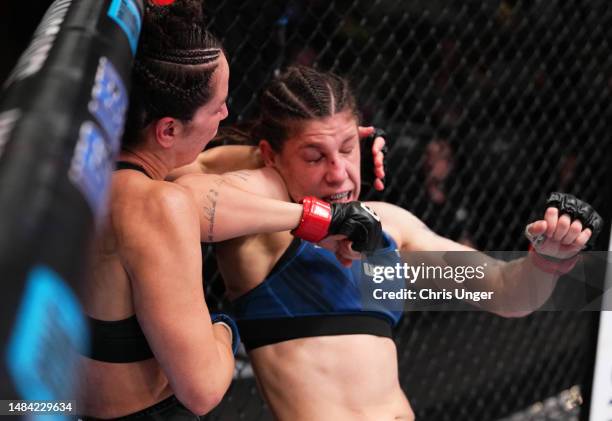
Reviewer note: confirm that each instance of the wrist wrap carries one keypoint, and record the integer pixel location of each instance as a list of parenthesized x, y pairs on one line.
[(315, 221)]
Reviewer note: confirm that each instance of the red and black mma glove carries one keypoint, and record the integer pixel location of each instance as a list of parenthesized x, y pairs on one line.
[(367, 157), (358, 222), (575, 208)]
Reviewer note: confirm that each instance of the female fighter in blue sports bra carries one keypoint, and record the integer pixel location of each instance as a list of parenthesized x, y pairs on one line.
[(318, 354), (156, 352)]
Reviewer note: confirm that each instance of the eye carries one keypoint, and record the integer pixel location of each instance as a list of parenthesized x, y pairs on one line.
[(315, 160), (313, 157), (347, 151)]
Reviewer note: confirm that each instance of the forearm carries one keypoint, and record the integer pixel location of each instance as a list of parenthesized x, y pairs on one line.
[(524, 287), (227, 211), (234, 213), (518, 287), (225, 361)]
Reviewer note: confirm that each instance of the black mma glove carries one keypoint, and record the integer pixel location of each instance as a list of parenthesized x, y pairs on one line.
[(359, 223), (367, 158), (577, 209)]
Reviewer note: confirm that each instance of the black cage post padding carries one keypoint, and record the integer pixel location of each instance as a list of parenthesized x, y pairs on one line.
[(61, 113)]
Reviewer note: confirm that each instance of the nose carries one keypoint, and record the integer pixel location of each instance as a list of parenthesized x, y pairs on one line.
[(224, 112), (336, 170)]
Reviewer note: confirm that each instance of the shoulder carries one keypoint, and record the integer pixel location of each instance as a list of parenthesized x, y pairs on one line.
[(156, 197), (399, 223), (410, 233), (271, 183), (226, 158), (393, 216), (152, 206)]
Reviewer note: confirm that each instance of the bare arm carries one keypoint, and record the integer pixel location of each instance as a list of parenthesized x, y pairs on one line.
[(519, 287), (160, 246), (241, 203), (220, 160)]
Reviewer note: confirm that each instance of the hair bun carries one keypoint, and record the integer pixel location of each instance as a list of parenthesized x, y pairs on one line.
[(183, 12), (180, 24)]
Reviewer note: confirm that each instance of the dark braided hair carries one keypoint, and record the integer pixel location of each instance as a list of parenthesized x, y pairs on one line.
[(173, 67), (295, 96)]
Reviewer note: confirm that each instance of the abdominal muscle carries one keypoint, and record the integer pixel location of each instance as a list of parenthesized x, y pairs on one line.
[(345, 377)]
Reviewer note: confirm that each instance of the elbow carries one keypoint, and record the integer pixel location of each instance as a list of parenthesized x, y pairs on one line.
[(202, 390), (201, 397), (201, 402)]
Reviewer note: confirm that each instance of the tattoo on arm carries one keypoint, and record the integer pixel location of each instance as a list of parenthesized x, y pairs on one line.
[(210, 211)]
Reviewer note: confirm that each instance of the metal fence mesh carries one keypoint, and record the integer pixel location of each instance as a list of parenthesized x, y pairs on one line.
[(488, 105)]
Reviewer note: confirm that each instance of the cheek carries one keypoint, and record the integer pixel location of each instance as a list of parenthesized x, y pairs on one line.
[(302, 179), (209, 129), (353, 168)]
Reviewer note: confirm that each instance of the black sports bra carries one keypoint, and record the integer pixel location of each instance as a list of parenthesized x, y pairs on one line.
[(123, 165), (119, 341)]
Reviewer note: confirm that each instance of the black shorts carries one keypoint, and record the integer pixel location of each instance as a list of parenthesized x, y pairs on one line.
[(169, 409)]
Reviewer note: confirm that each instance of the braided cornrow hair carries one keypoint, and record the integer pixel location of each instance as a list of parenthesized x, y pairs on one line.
[(173, 67), (298, 94)]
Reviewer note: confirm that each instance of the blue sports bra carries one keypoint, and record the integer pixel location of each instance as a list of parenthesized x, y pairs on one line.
[(308, 293)]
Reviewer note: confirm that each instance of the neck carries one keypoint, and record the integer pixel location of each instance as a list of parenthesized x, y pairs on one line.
[(156, 167)]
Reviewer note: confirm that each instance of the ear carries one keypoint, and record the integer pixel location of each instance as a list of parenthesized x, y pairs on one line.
[(267, 153), (167, 130)]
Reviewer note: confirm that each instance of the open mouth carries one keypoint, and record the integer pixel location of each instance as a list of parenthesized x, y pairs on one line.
[(338, 197)]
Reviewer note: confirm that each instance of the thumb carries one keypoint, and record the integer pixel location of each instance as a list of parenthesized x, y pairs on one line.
[(537, 228)]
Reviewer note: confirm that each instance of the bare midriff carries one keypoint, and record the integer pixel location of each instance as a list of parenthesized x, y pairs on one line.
[(344, 377), (113, 390)]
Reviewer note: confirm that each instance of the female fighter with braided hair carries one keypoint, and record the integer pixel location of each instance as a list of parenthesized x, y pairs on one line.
[(317, 351), (156, 352)]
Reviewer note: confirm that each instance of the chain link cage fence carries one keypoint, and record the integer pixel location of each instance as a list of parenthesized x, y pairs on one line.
[(489, 106)]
